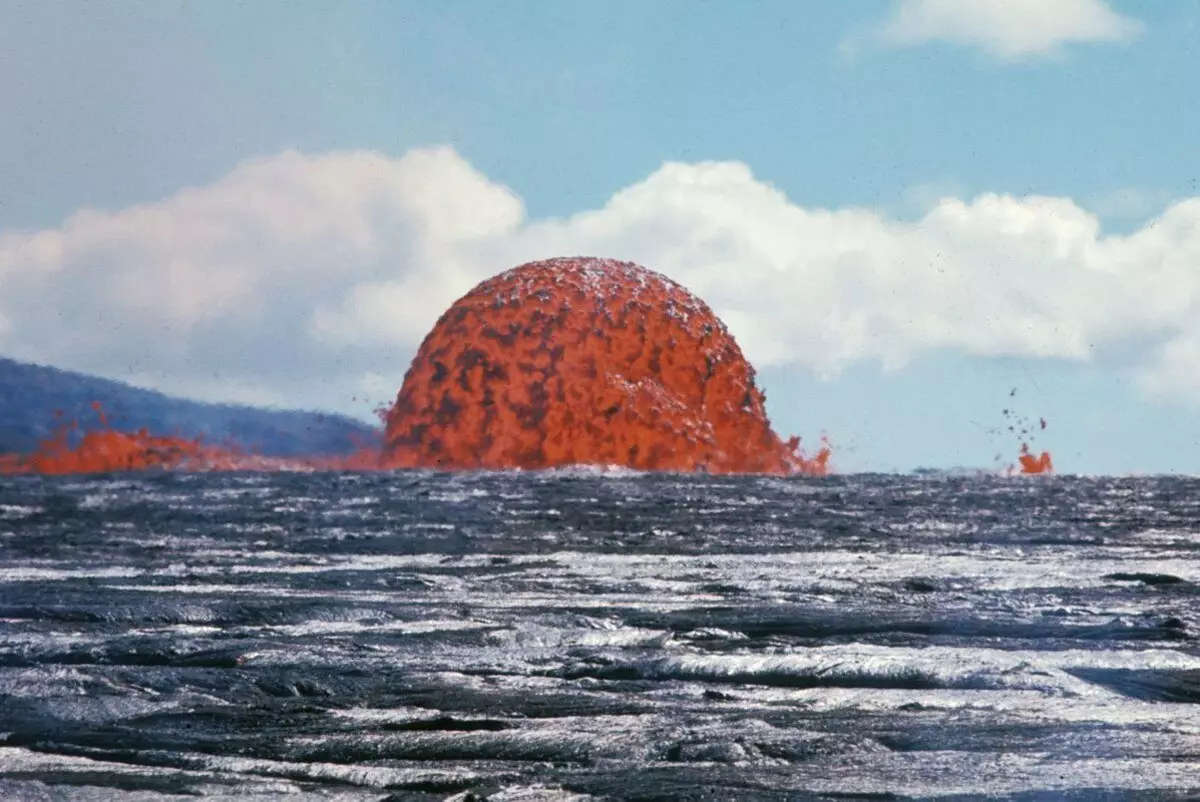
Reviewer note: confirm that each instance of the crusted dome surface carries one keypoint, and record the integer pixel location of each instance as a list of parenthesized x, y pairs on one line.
[(583, 361)]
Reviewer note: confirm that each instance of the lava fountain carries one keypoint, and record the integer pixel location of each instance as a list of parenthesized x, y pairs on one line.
[(585, 361), (563, 362)]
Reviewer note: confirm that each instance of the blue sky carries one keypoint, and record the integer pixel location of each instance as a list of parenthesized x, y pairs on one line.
[(544, 113)]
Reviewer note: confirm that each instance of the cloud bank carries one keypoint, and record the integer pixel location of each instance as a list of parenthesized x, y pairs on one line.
[(1008, 29), (306, 280)]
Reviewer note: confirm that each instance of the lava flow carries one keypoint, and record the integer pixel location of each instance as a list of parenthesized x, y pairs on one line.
[(585, 362), (556, 363), (103, 449)]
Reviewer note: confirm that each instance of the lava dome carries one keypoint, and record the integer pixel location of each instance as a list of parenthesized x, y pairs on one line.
[(584, 361)]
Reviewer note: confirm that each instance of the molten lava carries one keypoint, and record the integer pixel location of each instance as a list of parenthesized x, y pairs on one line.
[(103, 449), (1022, 427), (1031, 464), (555, 363), (585, 362)]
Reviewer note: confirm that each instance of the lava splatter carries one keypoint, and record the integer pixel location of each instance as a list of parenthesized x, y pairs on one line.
[(1024, 429), (1042, 463)]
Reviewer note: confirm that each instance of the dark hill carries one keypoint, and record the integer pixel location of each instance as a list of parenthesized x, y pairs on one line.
[(29, 395)]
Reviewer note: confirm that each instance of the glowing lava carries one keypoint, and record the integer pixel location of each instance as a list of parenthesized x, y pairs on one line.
[(103, 449), (1031, 464), (1024, 428), (563, 362), (585, 362)]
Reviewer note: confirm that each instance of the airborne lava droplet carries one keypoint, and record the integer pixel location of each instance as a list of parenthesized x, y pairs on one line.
[(585, 361)]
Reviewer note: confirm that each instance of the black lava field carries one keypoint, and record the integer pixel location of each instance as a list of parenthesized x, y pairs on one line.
[(598, 635)]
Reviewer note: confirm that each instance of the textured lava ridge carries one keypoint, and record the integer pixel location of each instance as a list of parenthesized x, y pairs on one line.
[(584, 361)]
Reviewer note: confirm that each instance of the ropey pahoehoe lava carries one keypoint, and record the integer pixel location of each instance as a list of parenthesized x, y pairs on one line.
[(584, 361)]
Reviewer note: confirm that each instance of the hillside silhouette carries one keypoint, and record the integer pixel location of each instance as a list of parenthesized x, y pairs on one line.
[(31, 394)]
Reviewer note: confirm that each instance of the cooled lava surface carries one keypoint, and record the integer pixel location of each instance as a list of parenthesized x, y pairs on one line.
[(585, 361)]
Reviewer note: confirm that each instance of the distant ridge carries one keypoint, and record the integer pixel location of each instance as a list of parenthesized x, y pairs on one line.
[(956, 471), (29, 395)]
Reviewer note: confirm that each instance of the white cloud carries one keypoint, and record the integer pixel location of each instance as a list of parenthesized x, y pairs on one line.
[(1008, 29), (308, 280), (221, 287)]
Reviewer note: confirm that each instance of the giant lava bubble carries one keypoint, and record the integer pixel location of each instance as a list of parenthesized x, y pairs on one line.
[(563, 362), (585, 361)]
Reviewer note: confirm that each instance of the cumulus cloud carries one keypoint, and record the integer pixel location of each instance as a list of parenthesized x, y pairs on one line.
[(1008, 29), (221, 291), (307, 280)]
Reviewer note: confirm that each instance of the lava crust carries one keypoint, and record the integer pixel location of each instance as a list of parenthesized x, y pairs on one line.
[(584, 361)]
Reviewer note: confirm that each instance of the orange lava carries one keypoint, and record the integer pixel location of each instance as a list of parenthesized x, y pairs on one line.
[(585, 362), (107, 450), (1024, 428), (104, 450), (556, 363), (1031, 464)]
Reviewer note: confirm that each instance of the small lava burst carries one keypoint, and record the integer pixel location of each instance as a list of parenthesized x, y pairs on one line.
[(1042, 463), (1023, 428), (585, 361)]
